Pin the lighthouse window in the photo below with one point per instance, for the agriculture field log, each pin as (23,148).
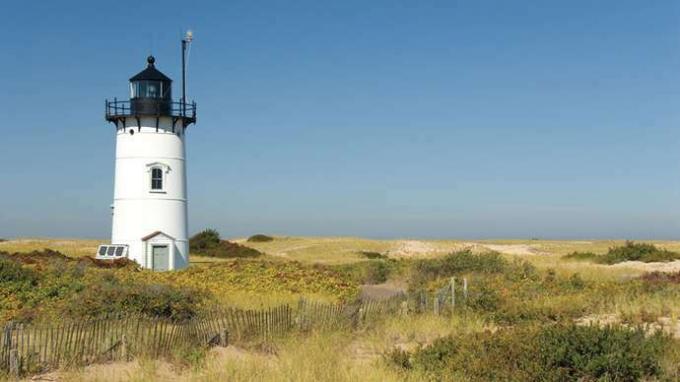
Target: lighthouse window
(152,90)
(147,89)
(156,178)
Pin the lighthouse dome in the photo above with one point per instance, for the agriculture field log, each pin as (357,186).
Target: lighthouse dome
(150,73)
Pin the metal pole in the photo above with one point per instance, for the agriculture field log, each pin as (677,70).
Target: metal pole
(184,90)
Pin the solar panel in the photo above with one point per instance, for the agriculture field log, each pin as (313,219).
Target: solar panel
(111,251)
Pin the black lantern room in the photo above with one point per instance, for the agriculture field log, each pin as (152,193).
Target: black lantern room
(150,91)
(150,96)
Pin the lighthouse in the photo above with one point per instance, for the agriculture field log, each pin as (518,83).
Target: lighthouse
(150,187)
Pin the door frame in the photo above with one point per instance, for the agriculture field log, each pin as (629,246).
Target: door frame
(167,249)
(149,253)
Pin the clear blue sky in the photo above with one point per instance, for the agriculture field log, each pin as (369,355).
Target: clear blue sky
(460,119)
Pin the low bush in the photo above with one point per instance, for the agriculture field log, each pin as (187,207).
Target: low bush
(456,263)
(373,255)
(260,238)
(661,277)
(581,256)
(205,239)
(632,251)
(13,272)
(208,243)
(113,296)
(548,353)
(367,272)
(226,250)
(47,285)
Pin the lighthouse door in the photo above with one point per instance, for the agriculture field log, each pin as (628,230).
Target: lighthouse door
(160,257)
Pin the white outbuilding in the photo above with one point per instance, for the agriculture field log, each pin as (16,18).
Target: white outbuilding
(150,188)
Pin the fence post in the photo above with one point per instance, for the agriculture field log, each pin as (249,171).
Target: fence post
(224,338)
(465,288)
(124,347)
(436,304)
(14,361)
(7,334)
(453,293)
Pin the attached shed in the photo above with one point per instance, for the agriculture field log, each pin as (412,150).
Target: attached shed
(160,251)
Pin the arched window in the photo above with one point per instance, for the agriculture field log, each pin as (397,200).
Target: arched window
(156,179)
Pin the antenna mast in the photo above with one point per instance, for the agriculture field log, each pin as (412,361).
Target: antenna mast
(186,40)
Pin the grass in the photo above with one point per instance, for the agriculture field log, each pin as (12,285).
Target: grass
(536,289)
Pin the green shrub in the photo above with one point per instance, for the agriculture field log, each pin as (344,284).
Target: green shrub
(581,256)
(398,357)
(610,353)
(632,251)
(205,239)
(226,250)
(112,296)
(367,272)
(576,282)
(260,238)
(373,255)
(520,270)
(13,272)
(208,243)
(549,353)
(456,263)
(485,299)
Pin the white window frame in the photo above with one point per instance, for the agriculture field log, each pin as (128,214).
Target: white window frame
(165,169)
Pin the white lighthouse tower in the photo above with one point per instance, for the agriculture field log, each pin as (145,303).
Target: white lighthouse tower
(150,188)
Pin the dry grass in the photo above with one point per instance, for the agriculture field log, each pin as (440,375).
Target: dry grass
(321,356)
(343,356)
(69,247)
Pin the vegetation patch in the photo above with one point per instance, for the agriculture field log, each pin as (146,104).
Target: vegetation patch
(203,240)
(208,243)
(48,285)
(455,263)
(260,277)
(48,256)
(368,272)
(581,256)
(661,277)
(631,251)
(547,353)
(260,238)
(373,255)
(226,250)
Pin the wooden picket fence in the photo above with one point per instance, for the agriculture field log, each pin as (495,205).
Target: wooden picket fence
(35,348)
(443,300)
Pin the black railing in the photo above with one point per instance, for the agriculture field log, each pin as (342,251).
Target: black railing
(116,109)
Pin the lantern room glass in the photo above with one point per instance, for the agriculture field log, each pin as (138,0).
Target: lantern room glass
(149,89)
